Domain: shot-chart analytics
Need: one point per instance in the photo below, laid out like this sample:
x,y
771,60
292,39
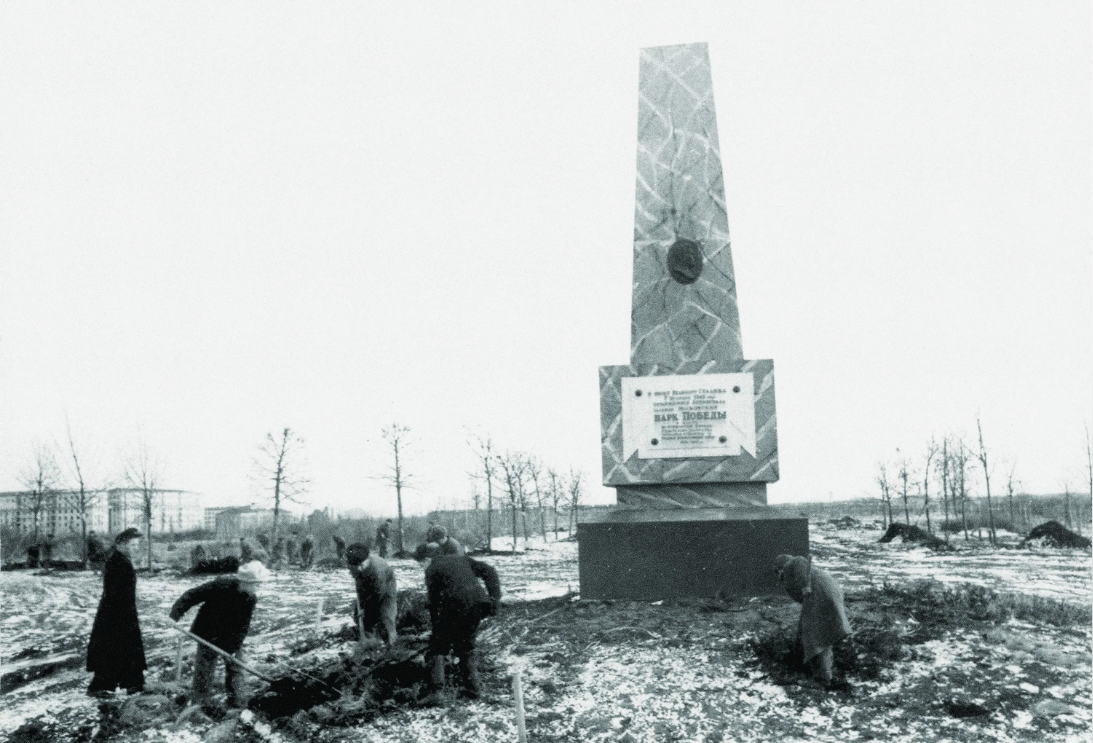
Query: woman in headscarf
x,y
115,652
823,614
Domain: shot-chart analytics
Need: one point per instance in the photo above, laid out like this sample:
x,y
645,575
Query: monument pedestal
x,y
688,430
651,554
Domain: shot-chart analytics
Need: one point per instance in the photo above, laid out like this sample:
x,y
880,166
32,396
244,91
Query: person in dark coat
x,y
339,547
307,552
47,551
115,653
457,605
291,553
823,621
227,604
383,537
246,551
377,591
438,535
34,554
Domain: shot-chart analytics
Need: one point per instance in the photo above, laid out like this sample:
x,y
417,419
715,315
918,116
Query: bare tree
x,y
280,470
555,497
41,477
142,472
885,494
960,484
576,490
398,438
904,475
987,478
82,496
1011,488
482,446
513,466
535,470
931,452
946,466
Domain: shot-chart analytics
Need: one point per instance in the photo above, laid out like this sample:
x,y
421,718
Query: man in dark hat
x,y
377,591
227,604
115,652
457,605
823,621
438,535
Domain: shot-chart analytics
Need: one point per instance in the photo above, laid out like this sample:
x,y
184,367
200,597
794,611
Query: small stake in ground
x,y
518,694
178,662
319,613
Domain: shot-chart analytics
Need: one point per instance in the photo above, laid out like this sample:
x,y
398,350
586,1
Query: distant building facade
x,y
109,511
232,523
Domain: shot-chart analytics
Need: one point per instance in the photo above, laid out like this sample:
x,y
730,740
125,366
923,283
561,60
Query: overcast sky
x,y
221,219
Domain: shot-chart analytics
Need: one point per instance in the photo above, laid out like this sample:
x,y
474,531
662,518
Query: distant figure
x,y
383,537
377,591
438,535
457,605
339,546
47,551
278,553
197,556
823,620
34,553
291,550
115,652
307,552
227,604
246,551
96,550
263,540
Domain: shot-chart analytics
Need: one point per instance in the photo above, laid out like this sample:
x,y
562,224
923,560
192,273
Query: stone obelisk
x,y
688,428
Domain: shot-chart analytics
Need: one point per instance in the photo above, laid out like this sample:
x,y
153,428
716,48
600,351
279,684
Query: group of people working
x,y
461,593
458,602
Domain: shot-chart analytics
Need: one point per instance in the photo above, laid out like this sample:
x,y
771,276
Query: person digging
x,y
457,605
227,604
377,592
823,621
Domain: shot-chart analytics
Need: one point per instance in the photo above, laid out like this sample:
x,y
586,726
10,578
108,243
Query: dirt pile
x,y
912,533
215,566
1054,534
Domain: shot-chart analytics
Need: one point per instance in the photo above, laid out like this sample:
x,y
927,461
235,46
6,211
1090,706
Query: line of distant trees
x,y
952,465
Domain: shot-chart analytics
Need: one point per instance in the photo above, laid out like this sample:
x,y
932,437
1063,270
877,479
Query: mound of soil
x,y
911,533
1054,534
845,522
215,566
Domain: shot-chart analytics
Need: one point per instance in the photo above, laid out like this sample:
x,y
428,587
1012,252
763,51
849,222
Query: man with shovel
x,y
457,605
227,604
377,591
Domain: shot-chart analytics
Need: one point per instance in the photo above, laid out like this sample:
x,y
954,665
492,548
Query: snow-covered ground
x,y
668,673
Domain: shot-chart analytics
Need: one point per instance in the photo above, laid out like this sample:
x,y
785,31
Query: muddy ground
x,y
980,643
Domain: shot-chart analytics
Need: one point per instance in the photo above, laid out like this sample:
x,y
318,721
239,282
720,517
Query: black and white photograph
x,y
483,372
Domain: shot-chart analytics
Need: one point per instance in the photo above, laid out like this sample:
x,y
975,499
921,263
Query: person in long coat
x,y
115,653
823,620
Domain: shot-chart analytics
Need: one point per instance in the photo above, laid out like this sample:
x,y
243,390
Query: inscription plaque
x,y
693,415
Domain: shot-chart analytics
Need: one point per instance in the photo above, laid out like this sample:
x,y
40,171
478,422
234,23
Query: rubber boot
x,y
436,673
469,671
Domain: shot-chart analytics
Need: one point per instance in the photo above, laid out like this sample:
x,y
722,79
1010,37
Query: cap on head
x,y
252,572
426,551
356,553
128,535
437,533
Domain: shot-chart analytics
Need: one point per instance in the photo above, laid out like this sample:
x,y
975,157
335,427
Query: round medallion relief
x,y
685,261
